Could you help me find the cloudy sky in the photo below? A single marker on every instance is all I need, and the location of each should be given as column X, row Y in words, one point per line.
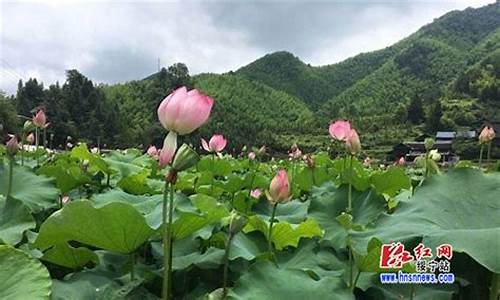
column 114, row 41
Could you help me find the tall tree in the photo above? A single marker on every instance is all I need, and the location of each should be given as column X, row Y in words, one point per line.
column 416, row 110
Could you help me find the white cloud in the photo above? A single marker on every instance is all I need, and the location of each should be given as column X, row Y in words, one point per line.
column 111, row 41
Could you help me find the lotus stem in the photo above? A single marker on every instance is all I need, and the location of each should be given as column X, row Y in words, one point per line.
column 351, row 266
column 349, row 195
column 132, row 267
column 412, row 292
column 9, row 182
column 45, row 138
column 226, row 264
column 481, row 156
column 168, row 203
column 353, row 286
column 495, row 286
column 269, row 236
column 213, row 175
column 489, row 152
column 37, row 140
column 23, row 138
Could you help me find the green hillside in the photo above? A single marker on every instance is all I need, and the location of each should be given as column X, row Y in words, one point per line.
column 250, row 112
column 444, row 76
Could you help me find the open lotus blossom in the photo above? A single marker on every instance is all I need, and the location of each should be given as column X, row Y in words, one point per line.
column 30, row 138
column 251, row 155
column 435, row 155
column 217, row 143
column 153, row 152
column 486, row 135
column 401, row 161
column 256, row 193
column 181, row 112
column 12, row 145
column 40, row 120
column 352, row 142
column 340, row 130
column 367, row 161
column 279, row 189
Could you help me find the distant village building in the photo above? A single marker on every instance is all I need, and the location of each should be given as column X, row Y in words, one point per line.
column 411, row 150
column 443, row 143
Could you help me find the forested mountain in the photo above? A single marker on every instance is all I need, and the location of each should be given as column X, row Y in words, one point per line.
column 444, row 76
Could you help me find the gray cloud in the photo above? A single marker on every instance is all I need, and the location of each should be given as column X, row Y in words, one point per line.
column 112, row 42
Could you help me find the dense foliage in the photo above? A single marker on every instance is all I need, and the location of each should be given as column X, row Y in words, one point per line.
column 88, row 227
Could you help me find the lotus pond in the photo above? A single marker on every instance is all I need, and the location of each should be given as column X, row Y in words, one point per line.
column 83, row 225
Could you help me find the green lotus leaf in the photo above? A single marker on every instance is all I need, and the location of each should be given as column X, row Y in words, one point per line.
column 21, row 276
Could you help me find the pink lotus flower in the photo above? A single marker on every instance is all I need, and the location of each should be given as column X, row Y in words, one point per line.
column 216, row 144
column 251, row 155
column 486, row 135
column 352, row 142
column 340, row 130
column 40, row 119
column 30, row 138
column 183, row 111
column 401, row 161
column 256, row 193
column 367, row 162
column 12, row 145
column 167, row 152
column 279, row 189
column 153, row 152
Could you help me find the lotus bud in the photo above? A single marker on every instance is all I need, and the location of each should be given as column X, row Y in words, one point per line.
column 279, row 189
column 251, row 155
column 12, row 145
column 309, row 161
column 30, row 138
column 185, row 158
column 244, row 149
column 183, row 111
column 486, row 135
column 153, row 152
column 401, row 161
column 352, row 142
column 40, row 119
column 237, row 222
column 65, row 199
column 295, row 152
column 435, row 155
column 429, row 143
column 28, row 126
column 256, row 193
column 340, row 130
